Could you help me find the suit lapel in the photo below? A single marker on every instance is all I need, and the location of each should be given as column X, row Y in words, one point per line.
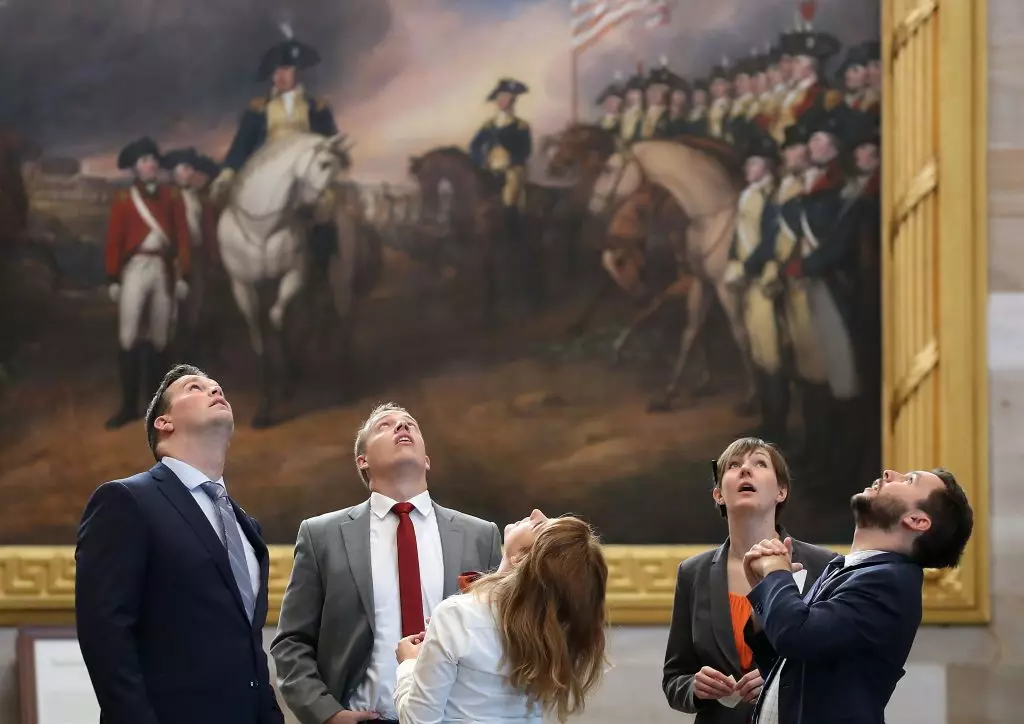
column 355, row 532
column 721, row 620
column 452, row 539
column 179, row 496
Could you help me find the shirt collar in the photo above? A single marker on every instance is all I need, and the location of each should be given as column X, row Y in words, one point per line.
column 853, row 559
column 381, row 505
column 189, row 476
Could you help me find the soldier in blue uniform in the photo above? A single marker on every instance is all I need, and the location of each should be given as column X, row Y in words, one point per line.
column 503, row 146
column 610, row 100
column 287, row 109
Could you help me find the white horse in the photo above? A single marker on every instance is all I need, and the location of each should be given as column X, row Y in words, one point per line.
column 263, row 240
column 704, row 189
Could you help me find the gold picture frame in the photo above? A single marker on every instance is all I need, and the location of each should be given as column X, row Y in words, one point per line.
column 935, row 384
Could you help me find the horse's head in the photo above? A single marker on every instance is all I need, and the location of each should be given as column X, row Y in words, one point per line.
column 328, row 157
column 446, row 171
column 580, row 148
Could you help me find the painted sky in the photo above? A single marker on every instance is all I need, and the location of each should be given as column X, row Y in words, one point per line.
column 402, row 75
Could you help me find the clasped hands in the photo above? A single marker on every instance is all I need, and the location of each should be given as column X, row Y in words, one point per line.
column 713, row 684
column 769, row 556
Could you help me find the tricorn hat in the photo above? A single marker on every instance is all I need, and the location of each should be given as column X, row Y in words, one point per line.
column 180, row 155
column 816, row 45
column 287, row 53
column 135, row 150
column 614, row 89
column 761, row 145
column 205, row 164
column 508, row 85
column 795, row 134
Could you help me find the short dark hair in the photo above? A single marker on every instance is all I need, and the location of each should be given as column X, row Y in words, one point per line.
column 159, row 404
column 744, row 446
column 952, row 517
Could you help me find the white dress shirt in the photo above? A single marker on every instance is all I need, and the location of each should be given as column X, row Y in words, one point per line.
column 770, row 709
column 193, row 480
column 376, row 692
column 459, row 675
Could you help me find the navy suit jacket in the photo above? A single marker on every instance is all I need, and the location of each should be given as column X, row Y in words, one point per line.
column 844, row 643
column 160, row 620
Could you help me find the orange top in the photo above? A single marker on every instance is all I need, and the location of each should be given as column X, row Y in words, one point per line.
column 739, row 612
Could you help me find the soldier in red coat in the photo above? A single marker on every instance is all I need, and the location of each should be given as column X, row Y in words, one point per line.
column 147, row 262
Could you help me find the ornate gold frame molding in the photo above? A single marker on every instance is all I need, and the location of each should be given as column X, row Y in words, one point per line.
column 935, row 360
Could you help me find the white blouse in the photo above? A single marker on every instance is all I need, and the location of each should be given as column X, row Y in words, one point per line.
column 458, row 675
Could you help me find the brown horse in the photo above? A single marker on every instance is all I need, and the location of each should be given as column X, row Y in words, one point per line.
column 474, row 215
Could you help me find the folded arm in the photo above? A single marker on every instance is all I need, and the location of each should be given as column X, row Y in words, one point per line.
column 110, row 563
column 681, row 663
column 863, row 613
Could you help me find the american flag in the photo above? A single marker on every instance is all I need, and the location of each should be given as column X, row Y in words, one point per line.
column 592, row 19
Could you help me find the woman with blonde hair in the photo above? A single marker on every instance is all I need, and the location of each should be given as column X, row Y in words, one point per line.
column 525, row 640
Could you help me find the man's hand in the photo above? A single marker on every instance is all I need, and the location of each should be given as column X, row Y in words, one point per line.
column 767, row 557
column 114, row 290
column 750, row 686
column 712, row 684
column 221, row 184
column 409, row 647
column 181, row 290
column 348, row 717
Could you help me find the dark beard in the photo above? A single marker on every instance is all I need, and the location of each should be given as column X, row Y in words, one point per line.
column 875, row 512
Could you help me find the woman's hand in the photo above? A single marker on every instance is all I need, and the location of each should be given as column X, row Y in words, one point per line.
column 409, row 647
column 750, row 686
column 712, row 684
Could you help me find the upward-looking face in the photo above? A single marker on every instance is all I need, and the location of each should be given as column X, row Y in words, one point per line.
column 394, row 442
column 195, row 404
column 749, row 483
column 285, row 78
column 519, row 536
column 895, row 499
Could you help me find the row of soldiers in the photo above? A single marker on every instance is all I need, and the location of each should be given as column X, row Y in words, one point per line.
column 769, row 91
column 805, row 258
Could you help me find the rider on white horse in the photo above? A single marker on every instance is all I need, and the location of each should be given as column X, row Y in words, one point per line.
column 286, row 110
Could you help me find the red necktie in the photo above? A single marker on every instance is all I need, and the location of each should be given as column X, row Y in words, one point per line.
column 409, row 592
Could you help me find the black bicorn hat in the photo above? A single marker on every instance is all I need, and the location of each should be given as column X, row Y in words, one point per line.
column 722, row 71
column 857, row 55
column 130, row 154
column 795, row 134
column 761, row 145
column 508, row 85
column 287, row 53
column 831, row 122
column 814, row 44
column 180, row 155
column 206, row 165
column 863, row 129
column 614, row 89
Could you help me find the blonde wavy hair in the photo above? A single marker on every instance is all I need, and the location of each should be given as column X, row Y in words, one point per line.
column 551, row 613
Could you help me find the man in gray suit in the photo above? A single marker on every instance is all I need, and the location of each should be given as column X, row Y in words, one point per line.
column 367, row 576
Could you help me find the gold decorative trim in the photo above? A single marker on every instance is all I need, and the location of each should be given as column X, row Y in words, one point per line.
column 911, row 24
column 924, row 362
column 37, row 584
column 924, row 184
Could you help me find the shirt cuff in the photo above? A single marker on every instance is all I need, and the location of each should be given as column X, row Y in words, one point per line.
column 405, row 668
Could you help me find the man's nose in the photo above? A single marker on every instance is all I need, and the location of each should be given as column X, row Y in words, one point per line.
column 402, row 425
column 890, row 476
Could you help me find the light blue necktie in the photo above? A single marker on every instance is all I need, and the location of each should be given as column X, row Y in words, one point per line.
column 232, row 540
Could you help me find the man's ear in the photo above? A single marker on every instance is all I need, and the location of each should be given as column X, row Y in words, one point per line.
column 426, row 461
column 917, row 521
column 361, row 462
column 163, row 424
column 716, row 494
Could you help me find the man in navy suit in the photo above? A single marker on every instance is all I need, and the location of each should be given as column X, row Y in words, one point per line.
column 171, row 584
column 836, row 654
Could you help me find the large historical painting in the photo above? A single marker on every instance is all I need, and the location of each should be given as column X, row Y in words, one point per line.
column 586, row 243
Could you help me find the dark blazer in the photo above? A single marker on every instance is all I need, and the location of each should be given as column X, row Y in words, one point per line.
column 324, row 640
column 701, row 630
column 160, row 621
column 845, row 642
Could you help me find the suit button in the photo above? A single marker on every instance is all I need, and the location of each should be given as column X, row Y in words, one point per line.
column 254, row 684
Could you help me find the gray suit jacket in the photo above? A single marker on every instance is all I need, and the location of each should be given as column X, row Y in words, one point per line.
column 701, row 631
column 325, row 633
